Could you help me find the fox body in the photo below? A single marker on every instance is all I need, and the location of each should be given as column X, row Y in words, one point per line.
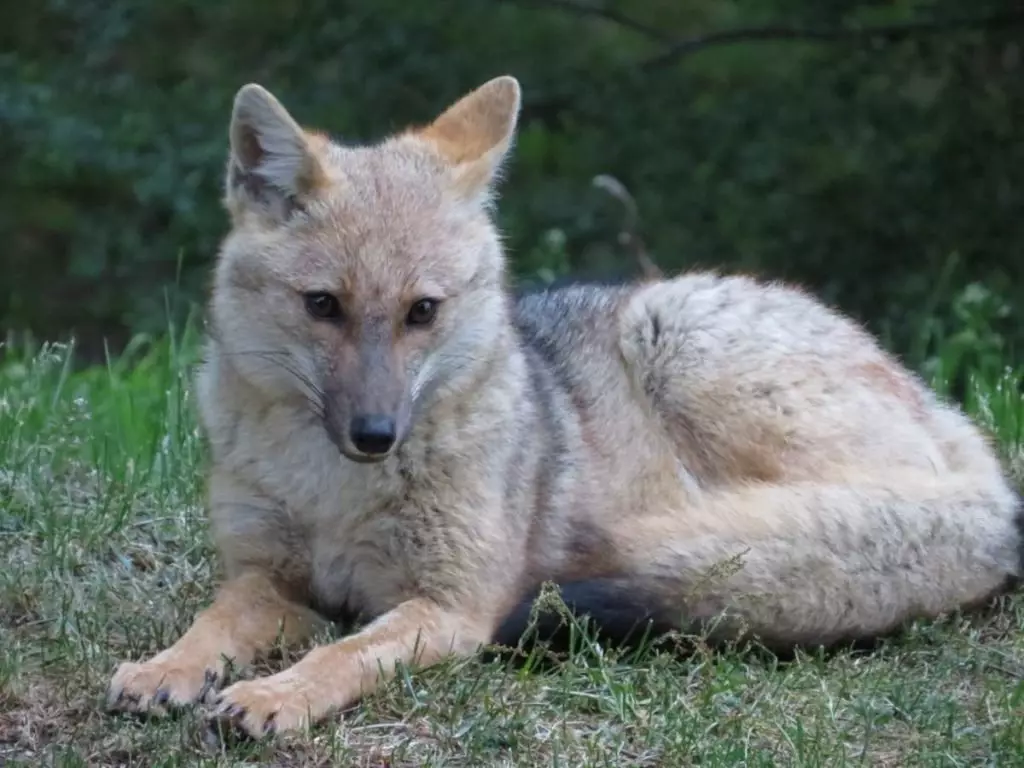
column 395, row 434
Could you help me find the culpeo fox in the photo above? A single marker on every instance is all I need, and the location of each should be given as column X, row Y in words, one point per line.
column 394, row 434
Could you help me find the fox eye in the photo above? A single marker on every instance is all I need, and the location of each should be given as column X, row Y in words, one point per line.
column 322, row 306
column 422, row 312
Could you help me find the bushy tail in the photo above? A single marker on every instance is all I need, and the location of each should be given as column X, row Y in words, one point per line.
column 800, row 565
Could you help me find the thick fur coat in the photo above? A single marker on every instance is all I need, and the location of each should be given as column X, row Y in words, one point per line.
column 396, row 435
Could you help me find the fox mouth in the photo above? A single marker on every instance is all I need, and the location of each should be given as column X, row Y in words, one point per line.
column 364, row 458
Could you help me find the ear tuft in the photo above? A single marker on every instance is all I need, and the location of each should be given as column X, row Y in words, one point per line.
column 273, row 166
column 476, row 132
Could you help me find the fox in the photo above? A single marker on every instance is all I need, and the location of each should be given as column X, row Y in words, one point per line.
column 399, row 434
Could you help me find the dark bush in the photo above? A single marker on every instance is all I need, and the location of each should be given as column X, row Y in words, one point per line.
column 882, row 170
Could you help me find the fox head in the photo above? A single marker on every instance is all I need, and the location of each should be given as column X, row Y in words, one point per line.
column 364, row 280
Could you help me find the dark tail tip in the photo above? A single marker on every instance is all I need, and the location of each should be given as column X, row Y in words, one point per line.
column 618, row 613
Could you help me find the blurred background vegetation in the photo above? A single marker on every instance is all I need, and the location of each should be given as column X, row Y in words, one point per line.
column 883, row 169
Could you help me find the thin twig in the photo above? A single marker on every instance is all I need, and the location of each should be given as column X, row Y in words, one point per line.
column 608, row 14
column 546, row 107
column 887, row 32
column 629, row 236
column 678, row 49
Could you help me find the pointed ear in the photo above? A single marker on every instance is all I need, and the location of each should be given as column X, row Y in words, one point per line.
column 273, row 167
column 475, row 133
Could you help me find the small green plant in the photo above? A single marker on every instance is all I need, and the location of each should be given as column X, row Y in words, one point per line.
column 972, row 340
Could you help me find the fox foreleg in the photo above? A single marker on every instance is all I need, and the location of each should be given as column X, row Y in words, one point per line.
column 419, row 632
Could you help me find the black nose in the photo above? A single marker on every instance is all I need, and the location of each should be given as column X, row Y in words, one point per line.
column 374, row 434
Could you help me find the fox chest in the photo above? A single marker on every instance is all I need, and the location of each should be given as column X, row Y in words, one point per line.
column 331, row 529
column 360, row 569
column 354, row 539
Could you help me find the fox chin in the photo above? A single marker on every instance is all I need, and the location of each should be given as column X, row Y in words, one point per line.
column 395, row 435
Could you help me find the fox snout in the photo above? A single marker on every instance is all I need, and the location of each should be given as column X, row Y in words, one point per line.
column 373, row 434
column 368, row 409
column 364, row 435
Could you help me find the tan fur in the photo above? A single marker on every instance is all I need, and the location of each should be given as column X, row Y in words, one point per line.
column 650, row 431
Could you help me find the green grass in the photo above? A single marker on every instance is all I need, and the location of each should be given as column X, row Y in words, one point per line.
column 105, row 558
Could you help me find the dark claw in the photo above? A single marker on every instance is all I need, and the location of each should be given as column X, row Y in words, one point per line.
column 162, row 696
column 211, row 736
column 211, row 681
column 221, row 732
column 271, row 724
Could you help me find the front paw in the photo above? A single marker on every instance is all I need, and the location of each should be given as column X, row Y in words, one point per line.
column 154, row 685
column 275, row 704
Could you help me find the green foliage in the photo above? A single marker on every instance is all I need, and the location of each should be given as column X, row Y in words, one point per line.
column 883, row 174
